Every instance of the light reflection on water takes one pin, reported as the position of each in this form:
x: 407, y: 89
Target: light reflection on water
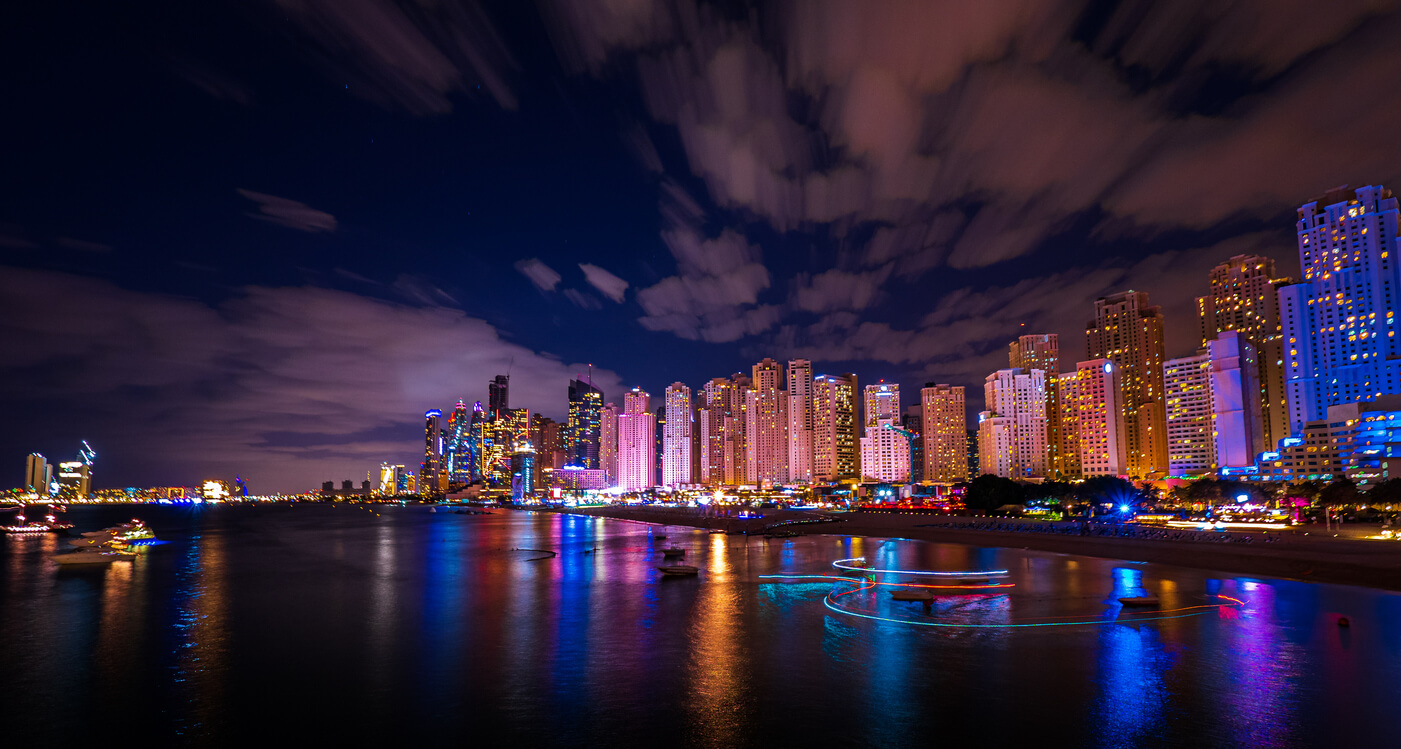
x: 414, y: 625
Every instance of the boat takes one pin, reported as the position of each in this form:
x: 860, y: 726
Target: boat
x: 92, y: 556
x: 50, y: 525
x: 674, y: 552
x: 678, y: 569
x: 912, y: 595
x: 659, y: 536
x: 1148, y: 600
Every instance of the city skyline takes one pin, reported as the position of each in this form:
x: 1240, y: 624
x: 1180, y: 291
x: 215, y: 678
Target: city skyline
x: 671, y: 198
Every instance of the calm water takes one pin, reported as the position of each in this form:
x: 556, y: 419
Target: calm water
x: 334, y: 623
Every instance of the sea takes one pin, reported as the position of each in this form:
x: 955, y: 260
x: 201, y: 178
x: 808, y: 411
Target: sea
x: 360, y: 625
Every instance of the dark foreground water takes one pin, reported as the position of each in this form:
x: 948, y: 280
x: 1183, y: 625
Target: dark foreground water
x: 336, y: 624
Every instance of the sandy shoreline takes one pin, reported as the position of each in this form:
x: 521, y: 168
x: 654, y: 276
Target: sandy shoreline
x: 1373, y: 564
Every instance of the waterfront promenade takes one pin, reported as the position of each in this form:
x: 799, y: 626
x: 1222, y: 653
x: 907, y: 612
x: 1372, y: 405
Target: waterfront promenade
x: 1304, y: 553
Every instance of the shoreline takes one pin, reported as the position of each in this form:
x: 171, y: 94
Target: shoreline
x: 1369, y: 564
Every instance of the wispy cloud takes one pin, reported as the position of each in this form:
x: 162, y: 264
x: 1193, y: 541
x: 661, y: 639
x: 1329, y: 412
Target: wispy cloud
x: 607, y: 284
x: 289, y: 213
x: 543, y: 276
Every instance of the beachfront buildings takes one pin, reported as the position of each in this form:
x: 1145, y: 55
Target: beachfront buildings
x: 637, y: 429
x: 1191, y: 434
x: 766, y: 406
x: 882, y: 401
x: 1012, y: 431
x: 1042, y: 351
x: 1235, y: 402
x: 835, y: 447
x: 677, y: 436
x: 1092, y: 420
x: 944, y: 432
x: 885, y: 451
x: 800, y: 421
x: 1128, y: 331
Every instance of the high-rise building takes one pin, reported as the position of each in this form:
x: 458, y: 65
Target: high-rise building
x: 456, y: 452
x: 973, y: 458
x: 660, y: 422
x: 1339, y: 324
x: 885, y: 451
x: 1042, y: 351
x: 1012, y: 428
x: 1191, y: 433
x: 835, y: 453
x: 389, y: 479
x: 944, y: 433
x: 1245, y: 297
x: 608, y: 444
x: 74, y: 479
x: 1129, y: 332
x: 498, y: 394
x: 476, y: 443
x: 585, y: 421
x: 432, y: 452
x: 637, y: 436
x: 523, y: 472
x: 913, y: 420
x: 882, y: 402
x: 716, y: 417
x: 800, y: 421
x: 38, y: 474
x: 1092, y: 421
x: 1235, y: 399
x: 767, y: 412
x: 676, y: 436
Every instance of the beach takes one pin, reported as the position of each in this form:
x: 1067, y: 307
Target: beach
x: 1305, y: 553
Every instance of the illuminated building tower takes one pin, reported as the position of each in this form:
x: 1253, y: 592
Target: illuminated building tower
x: 1042, y: 351
x: 914, y: 424
x: 608, y: 445
x: 1245, y: 297
x: 944, y: 432
x: 457, y: 455
x: 835, y: 446
x: 637, y: 441
x: 676, y: 436
x: 1012, y: 429
x: 973, y: 452
x: 523, y: 472
x: 1339, y: 324
x: 432, y: 452
x: 389, y: 479
x: 1191, y: 433
x: 882, y: 402
x: 737, y: 432
x: 1235, y: 400
x: 38, y: 474
x: 585, y: 421
x: 475, y: 448
x: 1129, y: 332
x: 545, y: 438
x: 715, y: 404
x: 885, y: 451
x: 660, y: 413
x: 1092, y: 421
x: 767, y: 430
x: 800, y: 421
x: 498, y: 395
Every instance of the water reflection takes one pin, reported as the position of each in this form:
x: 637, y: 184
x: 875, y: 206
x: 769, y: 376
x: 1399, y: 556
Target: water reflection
x: 200, y: 633
x: 719, y: 702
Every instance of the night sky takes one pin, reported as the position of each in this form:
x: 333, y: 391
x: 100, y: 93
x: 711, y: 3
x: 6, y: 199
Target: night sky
x: 263, y: 237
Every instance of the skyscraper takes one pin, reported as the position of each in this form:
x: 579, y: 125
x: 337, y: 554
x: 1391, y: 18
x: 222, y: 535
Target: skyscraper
x: 585, y: 421
x: 1042, y: 351
x: 1339, y: 324
x: 456, y: 452
x: 1093, y: 420
x: 913, y: 420
x: 882, y: 402
x: 1191, y: 433
x: 768, y: 425
x: 885, y: 451
x: 1012, y: 429
x: 676, y: 436
x: 38, y: 474
x: 1244, y: 297
x: 476, y: 443
x: 432, y: 452
x: 1235, y: 400
x: 944, y: 433
x: 1129, y: 332
x: 608, y: 444
x: 498, y: 394
x: 835, y: 444
x: 800, y: 421
x: 637, y: 434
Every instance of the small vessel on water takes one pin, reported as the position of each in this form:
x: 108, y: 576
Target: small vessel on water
x: 93, y: 555
x: 109, y: 545
x: 1148, y: 600
x: 678, y: 569
x: 659, y: 536
x: 50, y: 524
x: 673, y: 552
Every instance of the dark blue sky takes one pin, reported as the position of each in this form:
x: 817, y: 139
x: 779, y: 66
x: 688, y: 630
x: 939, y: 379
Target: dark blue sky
x: 263, y: 237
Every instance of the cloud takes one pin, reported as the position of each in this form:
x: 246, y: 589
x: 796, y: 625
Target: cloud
x: 410, y: 56
x: 290, y: 213
x: 582, y: 300
x: 715, y: 295
x: 543, y: 276
x: 839, y: 289
x: 607, y: 284
x: 285, y: 386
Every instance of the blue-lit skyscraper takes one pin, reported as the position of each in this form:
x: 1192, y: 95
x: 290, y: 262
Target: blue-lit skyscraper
x: 585, y: 423
x: 432, y: 453
x: 1338, y: 325
x: 455, y: 445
